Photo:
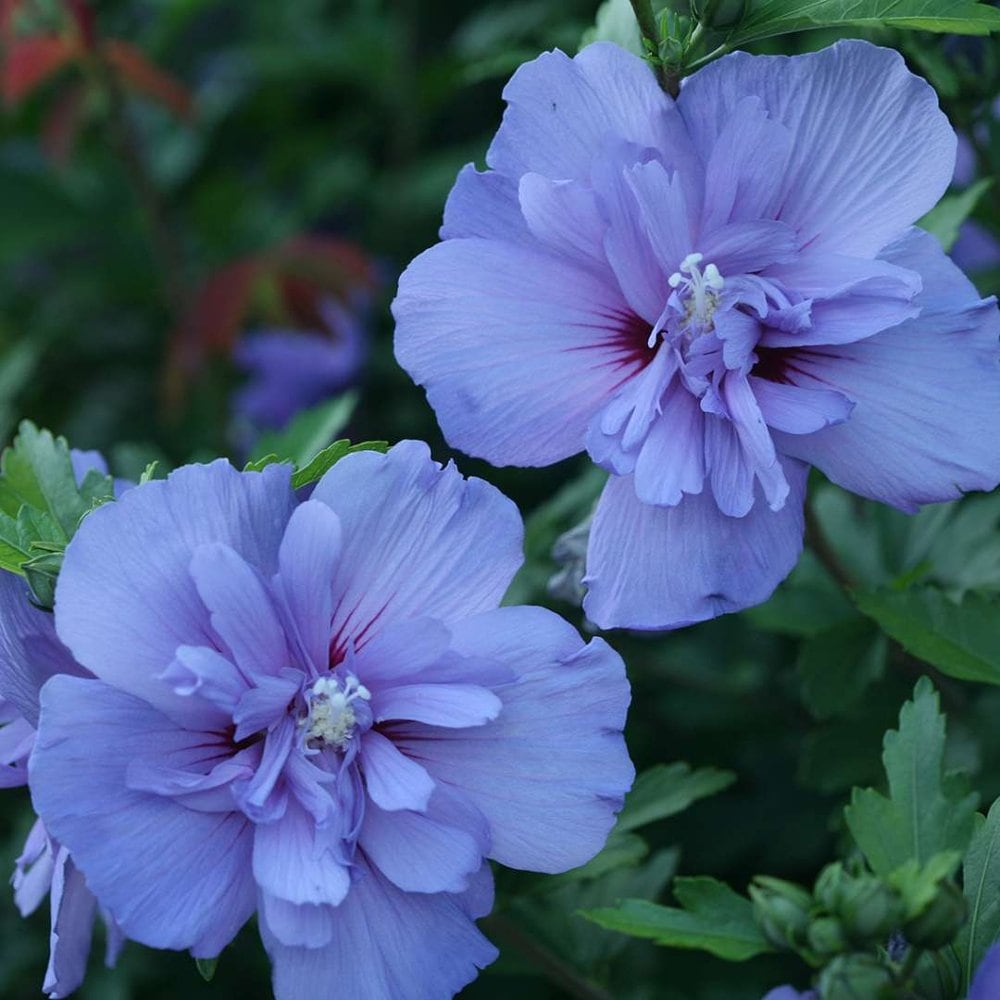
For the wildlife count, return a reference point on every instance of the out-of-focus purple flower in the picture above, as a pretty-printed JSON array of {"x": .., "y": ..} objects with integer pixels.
[
  {"x": 976, "y": 249},
  {"x": 319, "y": 712},
  {"x": 790, "y": 993},
  {"x": 30, "y": 653},
  {"x": 708, "y": 295},
  {"x": 290, "y": 370},
  {"x": 986, "y": 982}
]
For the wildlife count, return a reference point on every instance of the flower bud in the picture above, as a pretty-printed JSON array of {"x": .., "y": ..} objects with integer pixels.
[
  {"x": 941, "y": 920},
  {"x": 938, "y": 976},
  {"x": 782, "y": 911},
  {"x": 870, "y": 910},
  {"x": 826, "y": 936},
  {"x": 828, "y": 886},
  {"x": 851, "y": 977}
]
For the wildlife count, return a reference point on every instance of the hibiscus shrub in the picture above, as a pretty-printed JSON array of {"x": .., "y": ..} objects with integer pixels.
[{"x": 508, "y": 500}]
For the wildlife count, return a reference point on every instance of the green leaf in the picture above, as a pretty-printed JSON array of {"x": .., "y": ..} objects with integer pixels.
[
  {"x": 925, "y": 814},
  {"x": 667, "y": 789},
  {"x": 713, "y": 919},
  {"x": 616, "y": 23},
  {"x": 310, "y": 432},
  {"x": 554, "y": 913},
  {"x": 777, "y": 17},
  {"x": 206, "y": 968},
  {"x": 838, "y": 664},
  {"x": 259, "y": 464},
  {"x": 945, "y": 219},
  {"x": 22, "y": 536},
  {"x": 961, "y": 640},
  {"x": 981, "y": 882},
  {"x": 329, "y": 456},
  {"x": 37, "y": 472},
  {"x": 918, "y": 884}
]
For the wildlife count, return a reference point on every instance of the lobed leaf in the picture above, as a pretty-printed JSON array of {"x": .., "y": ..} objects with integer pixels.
[
  {"x": 961, "y": 640},
  {"x": 668, "y": 789},
  {"x": 310, "y": 432},
  {"x": 925, "y": 813},
  {"x": 981, "y": 882},
  {"x": 714, "y": 918}
]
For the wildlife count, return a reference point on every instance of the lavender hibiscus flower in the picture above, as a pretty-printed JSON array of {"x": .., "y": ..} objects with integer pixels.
[
  {"x": 708, "y": 295},
  {"x": 290, "y": 370},
  {"x": 318, "y": 712},
  {"x": 31, "y": 653}
]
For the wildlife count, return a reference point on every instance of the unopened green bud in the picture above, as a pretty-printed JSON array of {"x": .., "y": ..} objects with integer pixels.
[
  {"x": 938, "y": 975},
  {"x": 870, "y": 910},
  {"x": 941, "y": 921},
  {"x": 826, "y": 936},
  {"x": 782, "y": 911},
  {"x": 855, "y": 977},
  {"x": 829, "y": 885}
]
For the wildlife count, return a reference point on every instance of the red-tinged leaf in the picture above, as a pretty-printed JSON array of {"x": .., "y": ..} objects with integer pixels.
[
  {"x": 214, "y": 322},
  {"x": 8, "y": 10},
  {"x": 141, "y": 75},
  {"x": 83, "y": 15},
  {"x": 29, "y": 62},
  {"x": 331, "y": 265},
  {"x": 212, "y": 325},
  {"x": 62, "y": 124}
]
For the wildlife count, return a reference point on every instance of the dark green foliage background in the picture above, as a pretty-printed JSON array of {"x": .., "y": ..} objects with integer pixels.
[{"x": 351, "y": 117}]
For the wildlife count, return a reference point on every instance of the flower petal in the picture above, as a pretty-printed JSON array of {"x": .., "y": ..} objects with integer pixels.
[
  {"x": 414, "y": 534},
  {"x": 563, "y": 216},
  {"x": 385, "y": 943},
  {"x": 242, "y": 612},
  {"x": 560, "y": 110},
  {"x": 125, "y": 622},
  {"x": 308, "y": 558},
  {"x": 484, "y": 204},
  {"x": 30, "y": 650},
  {"x": 172, "y": 877},
  {"x": 748, "y": 156},
  {"x": 663, "y": 567},
  {"x": 434, "y": 851},
  {"x": 672, "y": 460},
  {"x": 927, "y": 394},
  {"x": 73, "y": 912},
  {"x": 455, "y": 706},
  {"x": 986, "y": 982},
  {"x": 871, "y": 152},
  {"x": 798, "y": 410},
  {"x": 550, "y": 772},
  {"x": 392, "y": 780},
  {"x": 517, "y": 347},
  {"x": 292, "y": 861}
]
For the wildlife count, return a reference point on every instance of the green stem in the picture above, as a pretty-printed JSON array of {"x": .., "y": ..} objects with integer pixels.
[
  {"x": 647, "y": 22},
  {"x": 824, "y": 551},
  {"x": 558, "y": 971},
  {"x": 668, "y": 77}
]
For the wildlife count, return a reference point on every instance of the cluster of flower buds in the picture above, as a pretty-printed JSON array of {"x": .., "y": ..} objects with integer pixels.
[{"x": 861, "y": 929}]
